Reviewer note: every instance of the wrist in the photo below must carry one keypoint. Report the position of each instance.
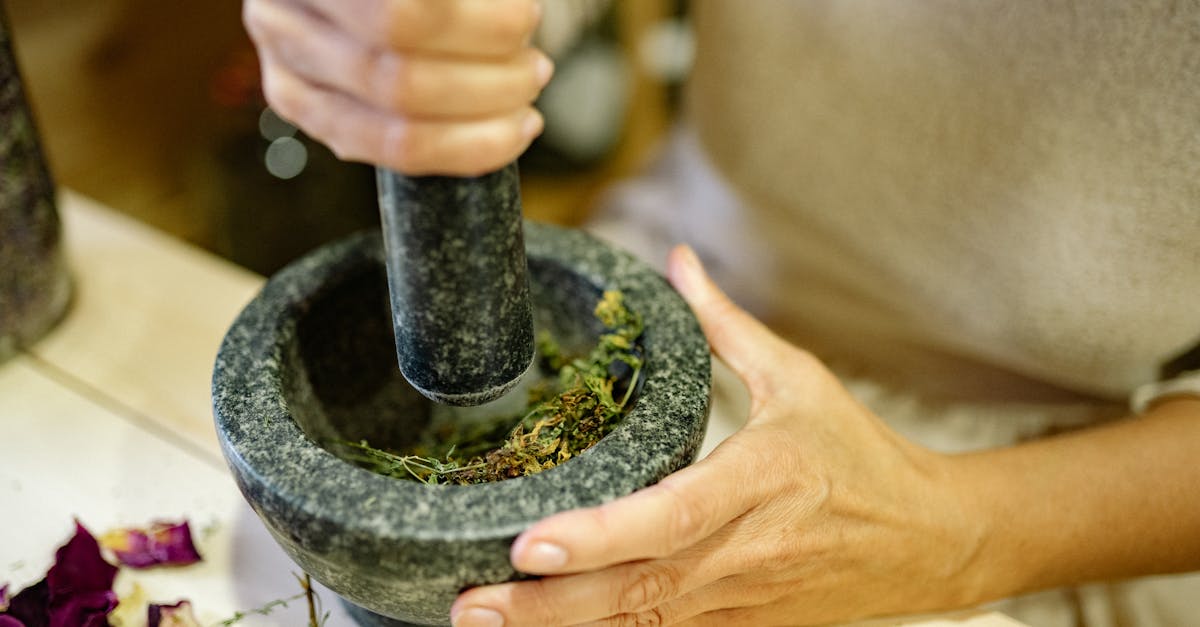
(1104, 503)
(976, 568)
(1014, 531)
(946, 533)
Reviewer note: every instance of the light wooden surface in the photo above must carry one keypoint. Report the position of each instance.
(147, 317)
(108, 420)
(71, 454)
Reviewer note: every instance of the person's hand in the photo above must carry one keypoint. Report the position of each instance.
(814, 512)
(418, 86)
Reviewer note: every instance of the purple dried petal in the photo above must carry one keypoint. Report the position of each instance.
(88, 609)
(77, 590)
(177, 615)
(79, 567)
(9, 621)
(163, 544)
(80, 584)
(30, 606)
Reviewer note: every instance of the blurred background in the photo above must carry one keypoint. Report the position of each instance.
(154, 108)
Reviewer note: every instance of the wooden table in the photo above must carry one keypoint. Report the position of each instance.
(107, 420)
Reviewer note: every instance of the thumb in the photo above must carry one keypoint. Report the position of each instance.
(741, 341)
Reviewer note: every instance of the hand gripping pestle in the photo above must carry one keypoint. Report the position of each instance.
(455, 256)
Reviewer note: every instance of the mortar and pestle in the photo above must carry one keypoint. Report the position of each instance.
(312, 361)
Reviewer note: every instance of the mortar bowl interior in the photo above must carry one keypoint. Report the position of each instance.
(341, 379)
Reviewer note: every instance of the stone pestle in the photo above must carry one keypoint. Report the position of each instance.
(455, 257)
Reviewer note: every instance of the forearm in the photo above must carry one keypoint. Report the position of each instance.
(1111, 502)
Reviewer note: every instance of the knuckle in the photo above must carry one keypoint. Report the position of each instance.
(488, 153)
(724, 312)
(511, 28)
(265, 22)
(340, 133)
(532, 17)
(649, 618)
(652, 616)
(525, 19)
(406, 24)
(339, 149)
(543, 608)
(503, 28)
(399, 79)
(533, 86)
(598, 520)
(252, 18)
(772, 592)
(339, 142)
(490, 146)
(685, 524)
(402, 149)
(650, 587)
(284, 98)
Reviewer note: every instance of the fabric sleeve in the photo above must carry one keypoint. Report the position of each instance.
(1185, 384)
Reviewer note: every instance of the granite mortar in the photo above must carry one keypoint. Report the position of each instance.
(310, 361)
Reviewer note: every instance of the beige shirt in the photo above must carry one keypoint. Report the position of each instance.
(984, 199)
(984, 215)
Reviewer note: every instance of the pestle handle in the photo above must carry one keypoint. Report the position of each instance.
(455, 255)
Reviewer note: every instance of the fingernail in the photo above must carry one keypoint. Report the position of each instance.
(477, 617)
(688, 256)
(532, 125)
(543, 557)
(543, 70)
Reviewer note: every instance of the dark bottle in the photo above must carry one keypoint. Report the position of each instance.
(34, 285)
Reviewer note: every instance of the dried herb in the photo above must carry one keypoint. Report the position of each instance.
(315, 616)
(565, 416)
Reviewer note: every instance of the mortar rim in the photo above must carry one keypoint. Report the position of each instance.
(251, 354)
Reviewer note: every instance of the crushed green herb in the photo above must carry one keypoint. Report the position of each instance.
(317, 617)
(565, 416)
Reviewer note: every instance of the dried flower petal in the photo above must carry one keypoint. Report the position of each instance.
(80, 584)
(28, 607)
(163, 544)
(8, 621)
(77, 590)
(79, 567)
(3, 597)
(177, 615)
(89, 609)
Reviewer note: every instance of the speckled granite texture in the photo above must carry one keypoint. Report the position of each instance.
(310, 361)
(34, 288)
(457, 276)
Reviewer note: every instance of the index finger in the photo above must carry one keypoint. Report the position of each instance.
(489, 28)
(655, 522)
